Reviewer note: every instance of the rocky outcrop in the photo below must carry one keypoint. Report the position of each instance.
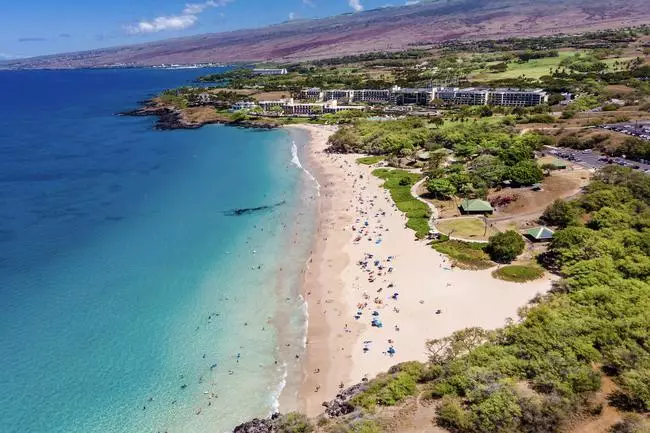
(258, 425)
(170, 118)
(341, 406)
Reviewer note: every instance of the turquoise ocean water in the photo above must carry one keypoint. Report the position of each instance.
(126, 292)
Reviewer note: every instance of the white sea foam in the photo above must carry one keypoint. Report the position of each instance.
(305, 310)
(295, 160)
(275, 404)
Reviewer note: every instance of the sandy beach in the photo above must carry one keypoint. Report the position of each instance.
(365, 261)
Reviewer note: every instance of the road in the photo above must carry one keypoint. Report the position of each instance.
(592, 159)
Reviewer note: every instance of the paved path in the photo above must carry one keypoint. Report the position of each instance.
(434, 215)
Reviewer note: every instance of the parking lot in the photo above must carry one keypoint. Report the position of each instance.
(593, 159)
(634, 129)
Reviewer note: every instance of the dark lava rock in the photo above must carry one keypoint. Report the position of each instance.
(170, 119)
(256, 426)
(341, 406)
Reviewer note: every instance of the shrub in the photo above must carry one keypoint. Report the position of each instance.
(451, 414)
(505, 247)
(518, 273)
(560, 214)
(386, 390)
(631, 423)
(294, 423)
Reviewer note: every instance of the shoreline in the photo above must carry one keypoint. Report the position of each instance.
(343, 351)
(170, 118)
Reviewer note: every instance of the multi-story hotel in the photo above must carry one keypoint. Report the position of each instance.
(517, 98)
(270, 72)
(401, 96)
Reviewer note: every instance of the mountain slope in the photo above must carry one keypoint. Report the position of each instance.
(390, 28)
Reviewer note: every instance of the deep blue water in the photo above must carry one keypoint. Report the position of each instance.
(122, 281)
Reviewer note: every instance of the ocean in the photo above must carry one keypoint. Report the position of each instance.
(131, 300)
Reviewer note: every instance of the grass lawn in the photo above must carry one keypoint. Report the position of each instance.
(519, 273)
(537, 68)
(468, 228)
(399, 183)
(370, 160)
(465, 255)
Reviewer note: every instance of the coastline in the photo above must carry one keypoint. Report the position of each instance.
(170, 118)
(343, 351)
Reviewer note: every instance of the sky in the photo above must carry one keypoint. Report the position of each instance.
(39, 27)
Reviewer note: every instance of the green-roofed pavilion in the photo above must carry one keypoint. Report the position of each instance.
(540, 234)
(468, 206)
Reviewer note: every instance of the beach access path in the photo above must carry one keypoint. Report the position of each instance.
(365, 261)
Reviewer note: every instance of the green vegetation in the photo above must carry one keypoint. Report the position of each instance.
(465, 228)
(466, 255)
(399, 183)
(370, 160)
(539, 374)
(505, 247)
(294, 423)
(386, 390)
(519, 273)
(560, 214)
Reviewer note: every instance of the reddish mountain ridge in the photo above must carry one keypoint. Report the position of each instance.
(390, 28)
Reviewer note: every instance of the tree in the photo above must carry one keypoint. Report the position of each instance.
(560, 214)
(460, 343)
(441, 188)
(489, 168)
(525, 173)
(505, 247)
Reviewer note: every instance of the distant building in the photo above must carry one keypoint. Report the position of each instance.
(340, 95)
(422, 96)
(476, 206)
(290, 107)
(334, 107)
(270, 72)
(517, 98)
(372, 95)
(243, 105)
(456, 96)
(313, 94)
(267, 105)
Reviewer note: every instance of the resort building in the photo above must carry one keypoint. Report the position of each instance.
(476, 206)
(267, 105)
(243, 105)
(313, 94)
(334, 107)
(401, 96)
(290, 107)
(517, 98)
(270, 72)
(456, 96)
(340, 95)
(372, 95)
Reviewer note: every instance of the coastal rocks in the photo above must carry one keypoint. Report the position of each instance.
(170, 118)
(341, 406)
(257, 426)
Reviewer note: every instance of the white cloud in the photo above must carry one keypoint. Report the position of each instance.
(185, 19)
(309, 3)
(356, 5)
(292, 16)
